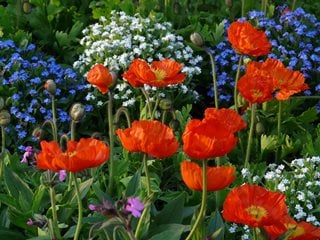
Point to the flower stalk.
(235, 93)
(214, 79)
(80, 211)
(202, 211)
(252, 122)
(111, 141)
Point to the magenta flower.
(29, 153)
(134, 206)
(62, 175)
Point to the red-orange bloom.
(159, 74)
(151, 137)
(300, 231)
(246, 39)
(217, 177)
(87, 153)
(100, 77)
(286, 81)
(208, 138)
(230, 117)
(254, 206)
(256, 85)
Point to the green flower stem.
(146, 171)
(149, 194)
(111, 141)
(279, 129)
(202, 211)
(252, 122)
(214, 79)
(155, 106)
(235, 93)
(125, 112)
(56, 229)
(54, 119)
(80, 213)
(146, 95)
(73, 130)
(3, 139)
(264, 4)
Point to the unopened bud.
(197, 39)
(174, 124)
(37, 133)
(26, 6)
(165, 104)
(77, 112)
(114, 78)
(259, 128)
(240, 100)
(5, 118)
(50, 86)
(1, 103)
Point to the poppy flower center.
(160, 74)
(256, 93)
(69, 154)
(257, 212)
(298, 231)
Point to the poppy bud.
(165, 104)
(37, 132)
(5, 118)
(246, 61)
(197, 39)
(114, 78)
(240, 100)
(1, 103)
(50, 86)
(77, 112)
(174, 124)
(26, 6)
(259, 128)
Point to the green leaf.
(17, 187)
(134, 184)
(216, 226)
(84, 188)
(166, 215)
(308, 116)
(10, 234)
(37, 197)
(168, 232)
(75, 30)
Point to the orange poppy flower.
(100, 77)
(254, 206)
(302, 230)
(217, 177)
(285, 81)
(86, 153)
(246, 39)
(159, 74)
(256, 85)
(208, 138)
(151, 137)
(230, 117)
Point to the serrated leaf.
(75, 30)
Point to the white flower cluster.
(116, 41)
(301, 185)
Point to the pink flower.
(134, 206)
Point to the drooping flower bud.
(26, 6)
(197, 39)
(77, 112)
(50, 86)
(5, 118)
(165, 104)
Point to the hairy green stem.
(146, 95)
(125, 112)
(3, 139)
(111, 141)
(202, 211)
(149, 193)
(56, 229)
(252, 122)
(279, 129)
(235, 93)
(54, 119)
(80, 211)
(214, 79)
